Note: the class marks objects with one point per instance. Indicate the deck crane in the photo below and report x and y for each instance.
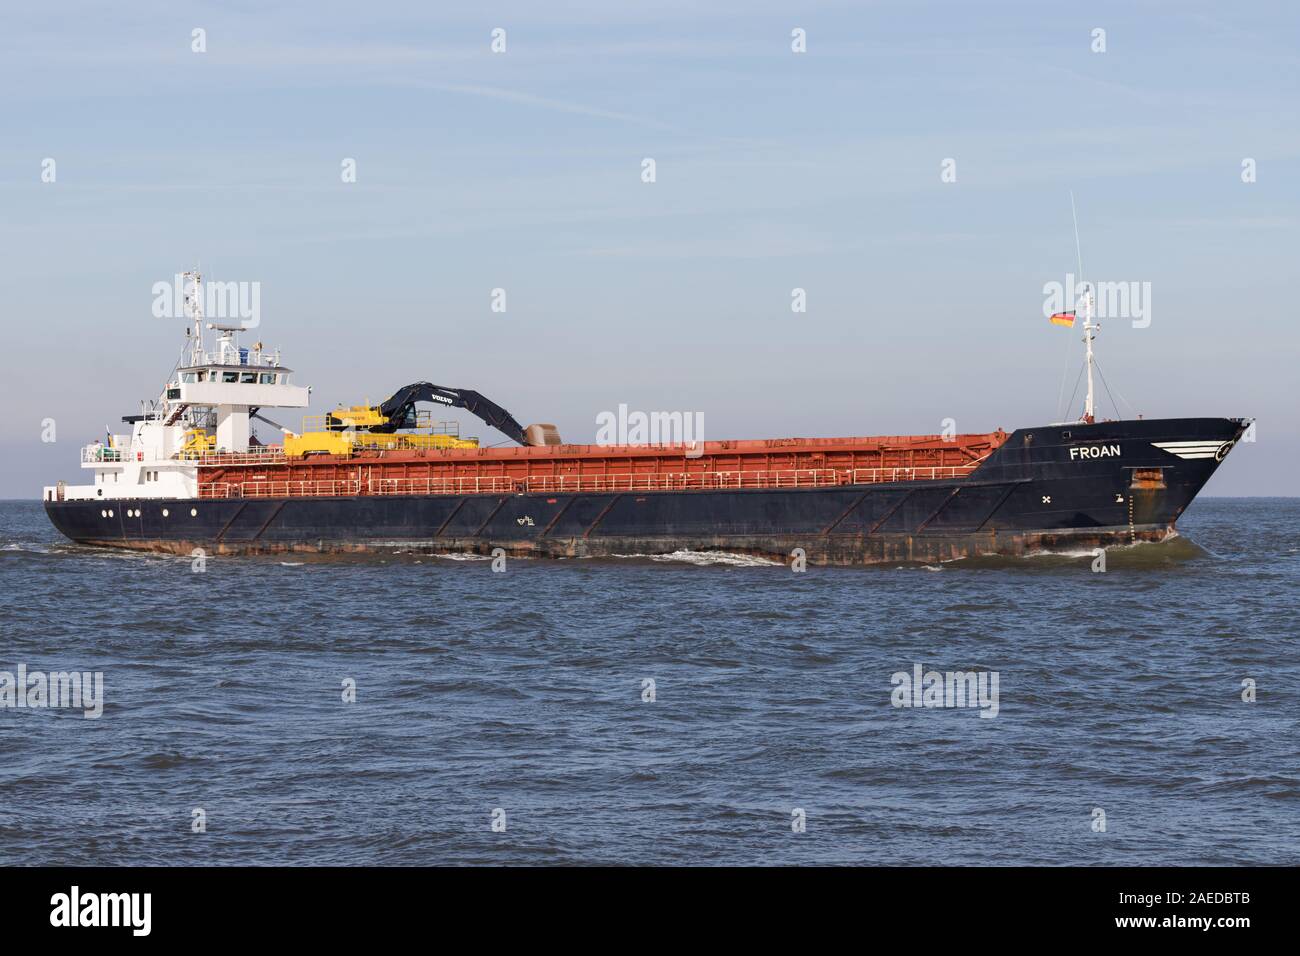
(398, 411)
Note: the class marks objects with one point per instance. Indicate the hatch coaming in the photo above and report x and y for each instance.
(763, 463)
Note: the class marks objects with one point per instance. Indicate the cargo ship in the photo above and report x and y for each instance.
(191, 474)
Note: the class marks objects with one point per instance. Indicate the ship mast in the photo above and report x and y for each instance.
(1089, 333)
(192, 290)
(1090, 329)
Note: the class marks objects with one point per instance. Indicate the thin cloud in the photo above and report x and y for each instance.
(546, 103)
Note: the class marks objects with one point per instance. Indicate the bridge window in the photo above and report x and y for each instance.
(248, 378)
(268, 378)
(229, 377)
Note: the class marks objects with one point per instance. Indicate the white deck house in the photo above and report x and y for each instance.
(205, 410)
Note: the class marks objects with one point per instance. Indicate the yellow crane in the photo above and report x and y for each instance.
(349, 428)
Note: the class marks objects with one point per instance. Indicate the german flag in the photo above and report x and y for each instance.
(1063, 318)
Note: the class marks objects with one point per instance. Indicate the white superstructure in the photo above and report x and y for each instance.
(203, 413)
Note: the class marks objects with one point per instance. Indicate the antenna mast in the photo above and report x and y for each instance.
(192, 291)
(1090, 329)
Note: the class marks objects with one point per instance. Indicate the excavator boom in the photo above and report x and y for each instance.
(399, 410)
(347, 429)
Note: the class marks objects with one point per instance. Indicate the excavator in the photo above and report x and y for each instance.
(397, 423)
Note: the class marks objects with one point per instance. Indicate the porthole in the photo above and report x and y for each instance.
(110, 512)
(103, 513)
(166, 512)
(194, 512)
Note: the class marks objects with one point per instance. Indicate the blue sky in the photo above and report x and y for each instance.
(774, 170)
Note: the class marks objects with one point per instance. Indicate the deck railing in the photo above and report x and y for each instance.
(673, 481)
(266, 455)
(568, 484)
(100, 453)
(279, 489)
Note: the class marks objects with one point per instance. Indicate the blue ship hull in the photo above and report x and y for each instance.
(1055, 487)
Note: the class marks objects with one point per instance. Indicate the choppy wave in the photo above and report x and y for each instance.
(706, 558)
(1173, 551)
(28, 548)
(621, 712)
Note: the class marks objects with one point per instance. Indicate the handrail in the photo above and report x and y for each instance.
(424, 423)
(566, 484)
(267, 455)
(279, 489)
(672, 481)
(231, 358)
(102, 453)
